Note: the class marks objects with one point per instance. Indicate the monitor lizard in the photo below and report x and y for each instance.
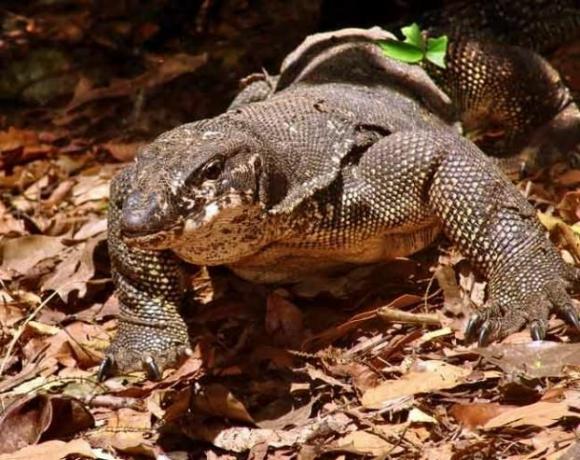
(347, 157)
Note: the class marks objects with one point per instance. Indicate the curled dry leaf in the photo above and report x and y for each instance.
(294, 417)
(168, 68)
(75, 345)
(25, 144)
(333, 333)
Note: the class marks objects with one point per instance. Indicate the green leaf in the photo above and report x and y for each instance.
(436, 50)
(413, 36)
(402, 51)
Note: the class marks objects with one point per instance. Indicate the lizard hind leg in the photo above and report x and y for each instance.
(511, 101)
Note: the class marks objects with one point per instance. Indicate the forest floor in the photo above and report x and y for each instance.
(372, 363)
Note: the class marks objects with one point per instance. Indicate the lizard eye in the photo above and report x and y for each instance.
(213, 169)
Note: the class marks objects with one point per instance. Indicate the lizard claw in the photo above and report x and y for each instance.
(570, 315)
(105, 369)
(142, 347)
(537, 331)
(151, 368)
(472, 326)
(485, 333)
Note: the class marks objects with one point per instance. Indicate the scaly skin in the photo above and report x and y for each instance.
(151, 288)
(324, 173)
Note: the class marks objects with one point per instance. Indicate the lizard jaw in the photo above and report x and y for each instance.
(165, 239)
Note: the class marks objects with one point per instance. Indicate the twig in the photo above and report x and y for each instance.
(398, 316)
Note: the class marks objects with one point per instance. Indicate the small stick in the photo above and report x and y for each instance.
(398, 316)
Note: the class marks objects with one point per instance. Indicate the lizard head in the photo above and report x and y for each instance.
(197, 177)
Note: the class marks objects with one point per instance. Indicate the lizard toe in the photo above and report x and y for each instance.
(562, 303)
(517, 309)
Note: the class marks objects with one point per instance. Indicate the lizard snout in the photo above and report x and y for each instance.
(142, 215)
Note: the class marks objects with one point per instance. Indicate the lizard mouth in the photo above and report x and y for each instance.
(212, 209)
(156, 240)
(169, 237)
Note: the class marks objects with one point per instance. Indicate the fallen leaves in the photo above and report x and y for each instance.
(23, 253)
(428, 376)
(369, 362)
(17, 145)
(31, 418)
(533, 359)
(52, 450)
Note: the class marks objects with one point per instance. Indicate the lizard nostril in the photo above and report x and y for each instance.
(141, 215)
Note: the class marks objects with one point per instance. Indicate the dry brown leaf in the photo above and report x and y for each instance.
(364, 443)
(23, 423)
(569, 178)
(168, 68)
(52, 450)
(539, 414)
(284, 321)
(363, 377)
(295, 417)
(569, 206)
(15, 138)
(123, 151)
(241, 439)
(90, 229)
(430, 376)
(10, 313)
(533, 359)
(21, 144)
(128, 431)
(75, 271)
(26, 420)
(75, 345)
(217, 400)
(547, 442)
(333, 333)
(90, 188)
(9, 225)
(23, 253)
(477, 414)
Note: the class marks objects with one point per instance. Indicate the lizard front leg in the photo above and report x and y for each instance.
(150, 287)
(484, 215)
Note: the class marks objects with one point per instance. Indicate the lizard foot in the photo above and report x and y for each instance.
(145, 347)
(512, 309)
